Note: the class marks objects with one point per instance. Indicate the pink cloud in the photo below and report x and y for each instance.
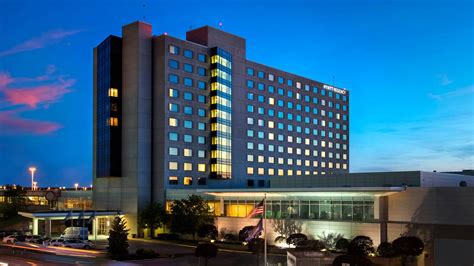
(41, 41)
(11, 123)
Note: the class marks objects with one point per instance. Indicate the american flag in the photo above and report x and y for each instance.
(255, 231)
(257, 210)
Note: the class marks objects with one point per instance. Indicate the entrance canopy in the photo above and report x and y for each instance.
(61, 215)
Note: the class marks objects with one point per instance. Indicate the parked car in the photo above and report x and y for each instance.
(9, 239)
(57, 242)
(34, 239)
(74, 243)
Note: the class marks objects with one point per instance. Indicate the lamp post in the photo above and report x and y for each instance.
(76, 185)
(32, 170)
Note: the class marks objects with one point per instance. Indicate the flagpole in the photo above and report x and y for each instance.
(265, 228)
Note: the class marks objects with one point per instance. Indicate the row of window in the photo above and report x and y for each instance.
(293, 150)
(174, 166)
(174, 64)
(281, 103)
(291, 172)
(189, 124)
(186, 152)
(188, 82)
(187, 138)
(271, 112)
(289, 82)
(188, 110)
(188, 96)
(271, 124)
(173, 49)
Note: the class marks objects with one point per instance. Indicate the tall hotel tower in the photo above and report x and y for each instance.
(196, 114)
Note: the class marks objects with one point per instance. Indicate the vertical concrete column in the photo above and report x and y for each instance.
(383, 217)
(222, 205)
(47, 227)
(136, 120)
(35, 226)
(94, 227)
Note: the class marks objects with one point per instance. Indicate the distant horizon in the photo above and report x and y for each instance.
(411, 83)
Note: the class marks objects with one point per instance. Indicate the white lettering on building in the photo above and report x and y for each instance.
(334, 89)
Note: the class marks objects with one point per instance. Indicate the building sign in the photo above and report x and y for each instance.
(334, 89)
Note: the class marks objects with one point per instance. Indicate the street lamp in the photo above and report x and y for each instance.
(32, 170)
(76, 185)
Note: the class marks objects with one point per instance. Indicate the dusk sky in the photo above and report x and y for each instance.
(409, 66)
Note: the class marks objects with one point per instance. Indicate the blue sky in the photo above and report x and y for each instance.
(408, 64)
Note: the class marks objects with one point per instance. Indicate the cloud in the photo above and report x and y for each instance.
(444, 79)
(12, 124)
(39, 42)
(454, 93)
(22, 94)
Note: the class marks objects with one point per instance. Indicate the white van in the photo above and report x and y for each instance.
(75, 233)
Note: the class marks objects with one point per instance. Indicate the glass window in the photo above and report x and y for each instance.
(173, 165)
(173, 151)
(187, 181)
(201, 167)
(202, 58)
(250, 108)
(187, 152)
(201, 85)
(250, 83)
(201, 153)
(173, 122)
(250, 71)
(188, 53)
(249, 96)
(289, 82)
(201, 126)
(261, 74)
(188, 82)
(271, 77)
(261, 86)
(201, 71)
(188, 124)
(173, 64)
(188, 68)
(173, 79)
(173, 136)
(201, 140)
(173, 107)
(201, 98)
(173, 49)
(173, 93)
(188, 138)
(188, 166)
(202, 112)
(188, 110)
(188, 96)
(271, 89)
(173, 180)
(281, 80)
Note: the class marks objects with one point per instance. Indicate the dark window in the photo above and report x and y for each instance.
(188, 124)
(201, 85)
(188, 110)
(201, 71)
(173, 64)
(281, 80)
(188, 68)
(201, 98)
(261, 74)
(188, 96)
(250, 83)
(188, 53)
(261, 183)
(188, 82)
(250, 71)
(173, 180)
(173, 136)
(250, 183)
(202, 58)
(202, 181)
(173, 78)
(202, 112)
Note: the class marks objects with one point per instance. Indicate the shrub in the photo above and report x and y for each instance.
(280, 239)
(230, 237)
(361, 245)
(330, 239)
(342, 244)
(296, 239)
(408, 246)
(206, 250)
(385, 249)
(244, 232)
(207, 230)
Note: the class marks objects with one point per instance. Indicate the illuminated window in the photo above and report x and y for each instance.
(173, 49)
(249, 158)
(113, 92)
(271, 101)
(188, 167)
(173, 165)
(173, 93)
(173, 122)
(173, 180)
(187, 181)
(201, 167)
(250, 170)
(173, 151)
(261, 171)
(261, 159)
(281, 172)
(187, 152)
(113, 121)
(271, 171)
(271, 159)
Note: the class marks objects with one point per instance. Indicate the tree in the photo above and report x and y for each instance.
(286, 227)
(257, 246)
(342, 244)
(187, 215)
(152, 216)
(296, 239)
(207, 230)
(15, 201)
(409, 247)
(206, 250)
(330, 239)
(361, 245)
(245, 232)
(118, 242)
(385, 249)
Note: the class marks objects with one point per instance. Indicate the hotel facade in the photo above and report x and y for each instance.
(178, 117)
